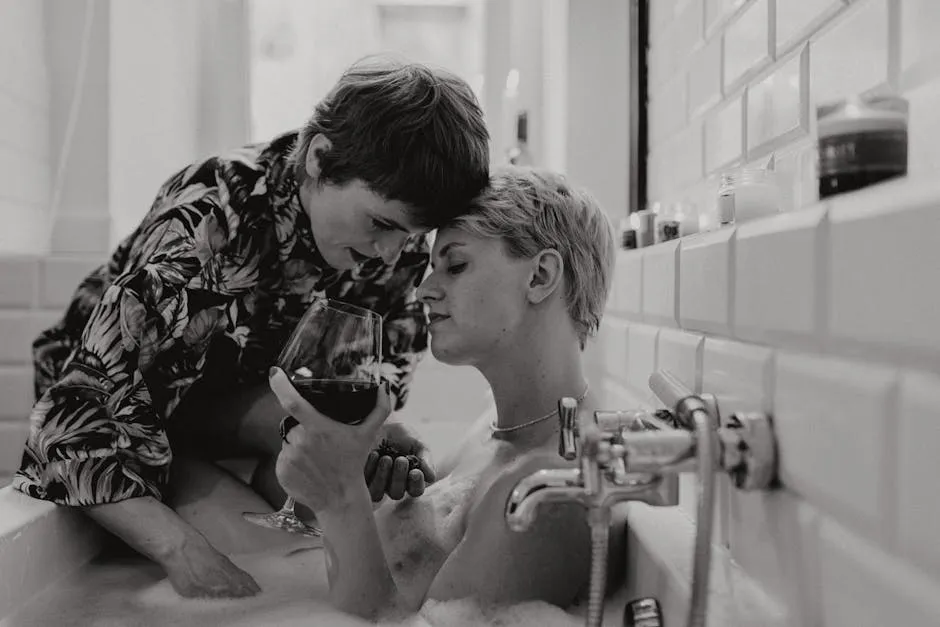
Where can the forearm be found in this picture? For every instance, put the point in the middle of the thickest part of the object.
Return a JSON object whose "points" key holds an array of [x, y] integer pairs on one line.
{"points": [[361, 582], [148, 526]]}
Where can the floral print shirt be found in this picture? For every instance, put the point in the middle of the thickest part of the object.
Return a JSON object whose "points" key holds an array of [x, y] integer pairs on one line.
{"points": [[208, 288]]}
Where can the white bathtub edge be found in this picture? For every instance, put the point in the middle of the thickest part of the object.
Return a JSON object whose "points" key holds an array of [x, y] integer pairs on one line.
{"points": [[40, 544], [661, 541]]}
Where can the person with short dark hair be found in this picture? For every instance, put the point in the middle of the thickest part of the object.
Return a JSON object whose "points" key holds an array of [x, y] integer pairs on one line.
{"points": [[164, 351]]}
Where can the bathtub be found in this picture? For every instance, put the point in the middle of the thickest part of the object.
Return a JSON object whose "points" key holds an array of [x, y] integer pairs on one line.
{"points": [[52, 573]]}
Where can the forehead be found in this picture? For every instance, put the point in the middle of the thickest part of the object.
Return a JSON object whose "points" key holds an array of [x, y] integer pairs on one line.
{"points": [[450, 239]]}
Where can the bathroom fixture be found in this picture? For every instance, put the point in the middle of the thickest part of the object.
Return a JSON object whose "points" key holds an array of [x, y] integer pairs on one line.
{"points": [[643, 612], [600, 481], [636, 456]]}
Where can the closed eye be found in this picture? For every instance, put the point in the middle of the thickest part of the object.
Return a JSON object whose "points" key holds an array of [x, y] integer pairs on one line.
{"points": [[383, 226], [456, 268]]}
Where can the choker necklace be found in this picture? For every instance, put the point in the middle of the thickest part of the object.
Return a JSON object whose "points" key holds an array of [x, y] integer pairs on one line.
{"points": [[497, 429]]}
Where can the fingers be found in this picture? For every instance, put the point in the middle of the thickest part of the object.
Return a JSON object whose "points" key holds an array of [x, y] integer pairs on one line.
{"points": [[383, 408], [249, 586], [427, 471], [399, 482], [416, 483], [295, 435], [287, 423], [372, 461], [380, 479], [291, 400]]}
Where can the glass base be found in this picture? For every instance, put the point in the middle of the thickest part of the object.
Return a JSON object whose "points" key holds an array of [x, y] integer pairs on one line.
{"points": [[285, 521]]}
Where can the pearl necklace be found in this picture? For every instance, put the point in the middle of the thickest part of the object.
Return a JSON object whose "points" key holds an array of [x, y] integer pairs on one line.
{"points": [[498, 429]]}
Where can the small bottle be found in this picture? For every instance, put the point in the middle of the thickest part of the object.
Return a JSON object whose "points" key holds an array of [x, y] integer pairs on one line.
{"points": [[862, 141], [627, 235], [519, 153], [725, 207], [667, 226], [644, 223]]}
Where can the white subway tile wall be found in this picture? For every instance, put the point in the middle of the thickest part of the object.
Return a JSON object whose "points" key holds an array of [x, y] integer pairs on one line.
{"points": [[25, 162], [24, 181], [824, 315], [33, 290]]}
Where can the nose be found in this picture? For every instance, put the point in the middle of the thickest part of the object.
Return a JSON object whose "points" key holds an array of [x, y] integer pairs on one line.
{"points": [[390, 246], [428, 291]]}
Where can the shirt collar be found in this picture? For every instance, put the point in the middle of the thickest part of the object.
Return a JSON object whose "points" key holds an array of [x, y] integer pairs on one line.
{"points": [[297, 250]]}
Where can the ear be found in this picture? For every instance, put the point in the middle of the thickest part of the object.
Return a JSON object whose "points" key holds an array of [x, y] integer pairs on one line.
{"points": [[547, 274], [318, 145]]}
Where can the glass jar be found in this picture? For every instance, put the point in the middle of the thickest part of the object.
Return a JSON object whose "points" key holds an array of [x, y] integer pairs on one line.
{"points": [[747, 193], [627, 235], [667, 223], [862, 141]]}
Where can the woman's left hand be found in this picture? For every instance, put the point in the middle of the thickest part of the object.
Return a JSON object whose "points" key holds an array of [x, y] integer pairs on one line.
{"points": [[321, 461]]}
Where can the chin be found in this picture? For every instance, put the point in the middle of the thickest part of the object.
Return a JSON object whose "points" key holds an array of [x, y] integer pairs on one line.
{"points": [[449, 355], [338, 258]]}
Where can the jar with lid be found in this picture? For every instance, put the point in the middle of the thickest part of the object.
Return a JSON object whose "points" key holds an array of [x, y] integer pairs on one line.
{"points": [[627, 235], [862, 141], [747, 193], [667, 223]]}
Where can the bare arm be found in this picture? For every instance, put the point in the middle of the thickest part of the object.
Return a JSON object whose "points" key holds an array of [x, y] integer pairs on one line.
{"points": [[361, 581], [492, 564], [193, 566], [146, 525]]}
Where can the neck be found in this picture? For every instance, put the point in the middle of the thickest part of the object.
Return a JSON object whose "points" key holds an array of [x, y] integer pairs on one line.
{"points": [[532, 375]]}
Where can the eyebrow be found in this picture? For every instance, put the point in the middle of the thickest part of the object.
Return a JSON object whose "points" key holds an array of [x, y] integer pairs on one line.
{"points": [[392, 223], [447, 248]]}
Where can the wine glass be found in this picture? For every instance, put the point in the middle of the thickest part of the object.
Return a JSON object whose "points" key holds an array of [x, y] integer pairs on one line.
{"points": [[333, 359]]}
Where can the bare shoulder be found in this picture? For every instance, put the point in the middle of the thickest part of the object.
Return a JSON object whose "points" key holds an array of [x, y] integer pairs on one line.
{"points": [[547, 561]]}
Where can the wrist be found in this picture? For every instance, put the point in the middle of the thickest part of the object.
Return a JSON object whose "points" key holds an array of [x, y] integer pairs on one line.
{"points": [[178, 545], [353, 498]]}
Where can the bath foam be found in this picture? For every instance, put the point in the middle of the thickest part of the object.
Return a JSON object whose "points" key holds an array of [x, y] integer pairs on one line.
{"points": [[467, 613], [294, 594]]}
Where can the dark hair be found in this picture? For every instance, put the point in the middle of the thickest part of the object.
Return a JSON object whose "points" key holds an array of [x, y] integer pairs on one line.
{"points": [[410, 132]]}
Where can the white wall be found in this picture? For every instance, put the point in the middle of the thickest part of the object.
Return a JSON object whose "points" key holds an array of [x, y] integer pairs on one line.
{"points": [[140, 112], [153, 78], [824, 316], [25, 162]]}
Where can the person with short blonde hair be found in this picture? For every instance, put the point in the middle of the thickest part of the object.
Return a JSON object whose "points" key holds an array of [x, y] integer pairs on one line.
{"points": [[531, 210], [518, 285]]}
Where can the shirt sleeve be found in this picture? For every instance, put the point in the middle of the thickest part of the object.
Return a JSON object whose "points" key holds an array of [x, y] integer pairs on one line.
{"points": [[405, 327], [97, 434]]}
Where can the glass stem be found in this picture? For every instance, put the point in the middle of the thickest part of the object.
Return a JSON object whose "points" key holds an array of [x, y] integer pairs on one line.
{"points": [[288, 507]]}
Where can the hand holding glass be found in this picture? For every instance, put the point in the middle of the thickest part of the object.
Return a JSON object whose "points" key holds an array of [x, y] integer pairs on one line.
{"points": [[333, 358]]}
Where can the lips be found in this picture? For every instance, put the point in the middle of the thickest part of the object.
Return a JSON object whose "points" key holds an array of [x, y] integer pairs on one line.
{"points": [[436, 317], [357, 256]]}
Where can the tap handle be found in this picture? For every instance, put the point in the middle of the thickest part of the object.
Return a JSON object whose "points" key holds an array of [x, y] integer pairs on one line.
{"points": [[668, 388], [568, 419]]}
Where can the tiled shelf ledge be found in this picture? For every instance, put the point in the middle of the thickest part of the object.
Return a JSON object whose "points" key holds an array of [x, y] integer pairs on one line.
{"points": [[851, 276]]}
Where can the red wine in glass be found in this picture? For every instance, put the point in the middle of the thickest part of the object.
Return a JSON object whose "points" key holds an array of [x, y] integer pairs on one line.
{"points": [[344, 401], [333, 358]]}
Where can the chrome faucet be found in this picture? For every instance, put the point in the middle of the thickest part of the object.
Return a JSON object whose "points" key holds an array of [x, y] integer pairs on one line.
{"points": [[636, 456], [600, 481]]}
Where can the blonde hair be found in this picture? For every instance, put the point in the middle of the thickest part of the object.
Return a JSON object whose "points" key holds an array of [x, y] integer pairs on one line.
{"points": [[532, 210]]}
